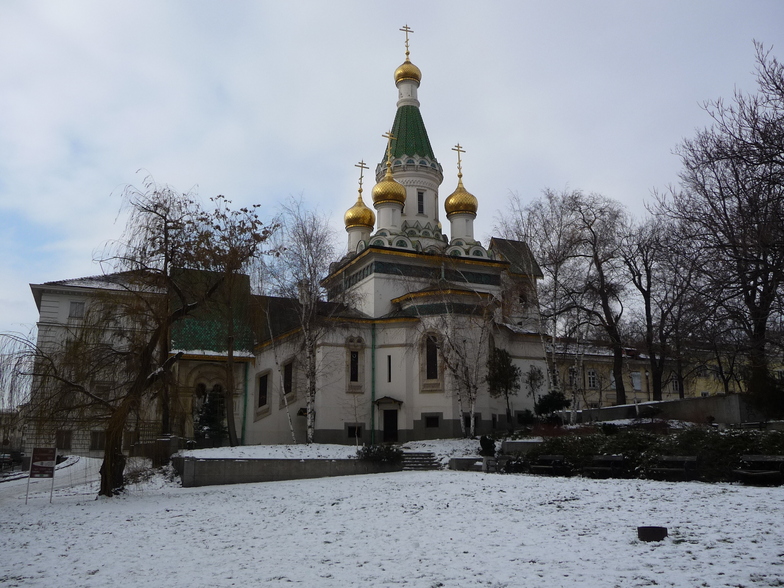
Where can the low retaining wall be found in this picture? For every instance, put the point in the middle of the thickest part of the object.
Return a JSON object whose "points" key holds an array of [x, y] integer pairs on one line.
{"points": [[729, 409], [209, 472]]}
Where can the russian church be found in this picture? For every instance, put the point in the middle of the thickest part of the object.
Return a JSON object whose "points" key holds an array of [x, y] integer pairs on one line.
{"points": [[411, 315], [416, 311]]}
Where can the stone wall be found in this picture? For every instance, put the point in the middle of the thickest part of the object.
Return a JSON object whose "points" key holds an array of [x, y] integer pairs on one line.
{"points": [[209, 472]]}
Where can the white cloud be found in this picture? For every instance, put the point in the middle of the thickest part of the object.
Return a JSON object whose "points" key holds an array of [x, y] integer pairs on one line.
{"points": [[259, 101]]}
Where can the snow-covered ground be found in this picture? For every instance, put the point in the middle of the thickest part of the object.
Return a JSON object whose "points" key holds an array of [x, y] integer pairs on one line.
{"points": [[422, 529]]}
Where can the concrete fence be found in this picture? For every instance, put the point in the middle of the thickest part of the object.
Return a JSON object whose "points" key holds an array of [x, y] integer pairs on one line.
{"points": [[209, 472], [729, 409]]}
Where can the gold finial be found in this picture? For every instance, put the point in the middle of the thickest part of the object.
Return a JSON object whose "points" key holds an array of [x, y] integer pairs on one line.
{"points": [[459, 150], [406, 29], [461, 200], [362, 167], [388, 190]]}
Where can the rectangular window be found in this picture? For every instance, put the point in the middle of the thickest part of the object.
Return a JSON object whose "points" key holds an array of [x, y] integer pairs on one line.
{"points": [[431, 358], [432, 422], [592, 383], [573, 377], [62, 440], [97, 440], [389, 368], [288, 375], [76, 310], [675, 384], [354, 367], [637, 381], [704, 393], [263, 386], [420, 202], [354, 431]]}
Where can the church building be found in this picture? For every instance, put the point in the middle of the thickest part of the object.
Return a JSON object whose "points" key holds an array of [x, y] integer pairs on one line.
{"points": [[412, 312], [399, 345]]}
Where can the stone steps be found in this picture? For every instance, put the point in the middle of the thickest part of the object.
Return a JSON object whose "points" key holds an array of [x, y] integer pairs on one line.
{"points": [[420, 461]]}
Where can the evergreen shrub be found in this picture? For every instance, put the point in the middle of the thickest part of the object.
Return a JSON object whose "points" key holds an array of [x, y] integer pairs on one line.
{"points": [[380, 453], [718, 452]]}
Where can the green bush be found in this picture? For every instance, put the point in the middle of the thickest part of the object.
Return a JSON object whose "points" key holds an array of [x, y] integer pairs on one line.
{"points": [[380, 453]]}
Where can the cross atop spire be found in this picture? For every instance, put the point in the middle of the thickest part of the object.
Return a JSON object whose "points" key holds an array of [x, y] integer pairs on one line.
{"points": [[362, 167], [459, 150], [406, 29], [389, 137]]}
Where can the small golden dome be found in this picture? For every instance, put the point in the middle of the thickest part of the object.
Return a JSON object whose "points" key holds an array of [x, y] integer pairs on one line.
{"points": [[359, 215], [388, 190], [461, 200], [408, 71]]}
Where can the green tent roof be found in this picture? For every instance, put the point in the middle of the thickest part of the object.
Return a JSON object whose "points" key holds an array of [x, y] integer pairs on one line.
{"points": [[410, 134]]}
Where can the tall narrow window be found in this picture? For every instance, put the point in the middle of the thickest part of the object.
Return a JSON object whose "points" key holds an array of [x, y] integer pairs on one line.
{"points": [[421, 202], [431, 358], [263, 383], [354, 367], [389, 368], [288, 373]]}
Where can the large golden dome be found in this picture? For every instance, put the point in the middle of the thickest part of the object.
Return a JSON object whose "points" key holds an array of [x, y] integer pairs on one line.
{"points": [[461, 200], [388, 190], [408, 71], [359, 215]]}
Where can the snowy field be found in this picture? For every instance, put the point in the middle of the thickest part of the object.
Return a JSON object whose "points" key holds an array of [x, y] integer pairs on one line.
{"points": [[422, 529]]}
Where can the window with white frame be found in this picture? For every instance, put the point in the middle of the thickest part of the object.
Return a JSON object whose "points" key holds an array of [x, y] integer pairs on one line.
{"points": [[262, 391], [592, 379], [355, 365], [76, 310], [430, 364]]}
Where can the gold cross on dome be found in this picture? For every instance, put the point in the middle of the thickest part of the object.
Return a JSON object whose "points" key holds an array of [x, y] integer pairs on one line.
{"points": [[459, 150], [406, 29], [362, 167], [389, 137]]}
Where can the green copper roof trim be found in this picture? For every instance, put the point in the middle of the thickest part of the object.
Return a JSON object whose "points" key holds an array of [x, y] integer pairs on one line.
{"points": [[410, 134]]}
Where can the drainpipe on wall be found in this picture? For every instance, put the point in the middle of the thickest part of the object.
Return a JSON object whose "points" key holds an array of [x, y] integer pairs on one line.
{"points": [[373, 384], [244, 405]]}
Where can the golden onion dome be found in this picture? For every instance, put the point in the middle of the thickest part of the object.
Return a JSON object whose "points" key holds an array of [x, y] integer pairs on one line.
{"points": [[461, 200], [408, 71], [388, 190], [359, 215]]}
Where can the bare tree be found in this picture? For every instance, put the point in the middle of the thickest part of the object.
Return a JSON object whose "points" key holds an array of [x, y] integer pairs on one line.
{"points": [[732, 207], [110, 365], [598, 290], [464, 330], [549, 226], [305, 246], [235, 239]]}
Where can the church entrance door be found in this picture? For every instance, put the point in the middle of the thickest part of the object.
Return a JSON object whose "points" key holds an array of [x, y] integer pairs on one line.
{"points": [[390, 426]]}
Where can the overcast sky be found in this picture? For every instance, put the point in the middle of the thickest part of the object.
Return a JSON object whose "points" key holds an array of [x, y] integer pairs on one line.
{"points": [[265, 100]]}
